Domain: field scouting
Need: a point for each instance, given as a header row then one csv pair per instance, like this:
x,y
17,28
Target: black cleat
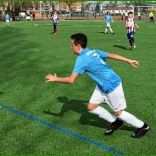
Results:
x,y
140,132
114,126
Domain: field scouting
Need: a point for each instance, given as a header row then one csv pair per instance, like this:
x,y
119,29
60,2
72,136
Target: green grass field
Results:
x,y
29,51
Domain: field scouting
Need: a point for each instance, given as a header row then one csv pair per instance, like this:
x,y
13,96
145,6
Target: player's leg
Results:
x,y
130,40
106,30
54,26
133,40
93,106
141,127
118,104
111,30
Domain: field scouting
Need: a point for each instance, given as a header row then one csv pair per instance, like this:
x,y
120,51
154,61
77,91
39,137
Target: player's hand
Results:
x,y
51,77
134,63
137,26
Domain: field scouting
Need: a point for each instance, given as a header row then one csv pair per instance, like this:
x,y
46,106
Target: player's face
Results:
x,y
131,15
75,48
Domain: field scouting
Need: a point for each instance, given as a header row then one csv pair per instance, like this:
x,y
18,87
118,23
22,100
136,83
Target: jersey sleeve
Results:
x,y
111,19
79,67
103,54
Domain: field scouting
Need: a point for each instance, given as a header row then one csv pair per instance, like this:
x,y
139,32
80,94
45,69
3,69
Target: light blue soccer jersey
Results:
x,y
7,17
108,18
93,63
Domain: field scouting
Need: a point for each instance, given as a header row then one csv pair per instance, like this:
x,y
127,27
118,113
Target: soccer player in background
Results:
x,y
139,15
151,17
108,85
55,21
7,18
108,21
130,26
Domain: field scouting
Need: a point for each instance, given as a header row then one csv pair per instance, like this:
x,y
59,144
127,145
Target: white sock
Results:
x,y
104,114
131,119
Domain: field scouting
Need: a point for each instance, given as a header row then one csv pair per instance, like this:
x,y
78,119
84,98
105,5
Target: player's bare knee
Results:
x,y
118,113
91,107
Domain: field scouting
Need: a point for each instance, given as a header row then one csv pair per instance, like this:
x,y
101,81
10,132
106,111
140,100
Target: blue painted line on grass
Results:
x,y
65,131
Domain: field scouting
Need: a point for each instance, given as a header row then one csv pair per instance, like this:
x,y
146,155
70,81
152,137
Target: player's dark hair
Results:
x,y
79,38
130,12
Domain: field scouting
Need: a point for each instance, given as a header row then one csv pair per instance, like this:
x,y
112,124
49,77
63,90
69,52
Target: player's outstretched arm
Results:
x,y
133,63
68,80
136,26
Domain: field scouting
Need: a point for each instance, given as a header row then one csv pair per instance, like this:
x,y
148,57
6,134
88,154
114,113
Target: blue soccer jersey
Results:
x,y
108,18
93,62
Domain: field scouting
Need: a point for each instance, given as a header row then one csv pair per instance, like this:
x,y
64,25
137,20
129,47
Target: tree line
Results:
x,y
13,4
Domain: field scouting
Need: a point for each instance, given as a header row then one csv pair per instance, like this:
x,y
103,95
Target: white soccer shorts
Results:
x,y
116,99
108,25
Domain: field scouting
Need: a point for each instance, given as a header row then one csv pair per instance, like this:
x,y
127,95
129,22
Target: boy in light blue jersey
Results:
x,y
92,61
109,85
108,21
7,18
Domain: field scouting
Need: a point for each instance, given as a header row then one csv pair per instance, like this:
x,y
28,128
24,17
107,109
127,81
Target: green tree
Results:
x,y
70,3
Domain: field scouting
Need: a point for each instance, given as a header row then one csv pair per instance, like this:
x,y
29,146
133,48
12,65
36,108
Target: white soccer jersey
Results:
x,y
55,18
130,24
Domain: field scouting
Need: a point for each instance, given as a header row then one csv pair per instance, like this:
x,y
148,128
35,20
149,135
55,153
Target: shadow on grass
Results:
x,y
121,47
80,107
1,92
101,32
